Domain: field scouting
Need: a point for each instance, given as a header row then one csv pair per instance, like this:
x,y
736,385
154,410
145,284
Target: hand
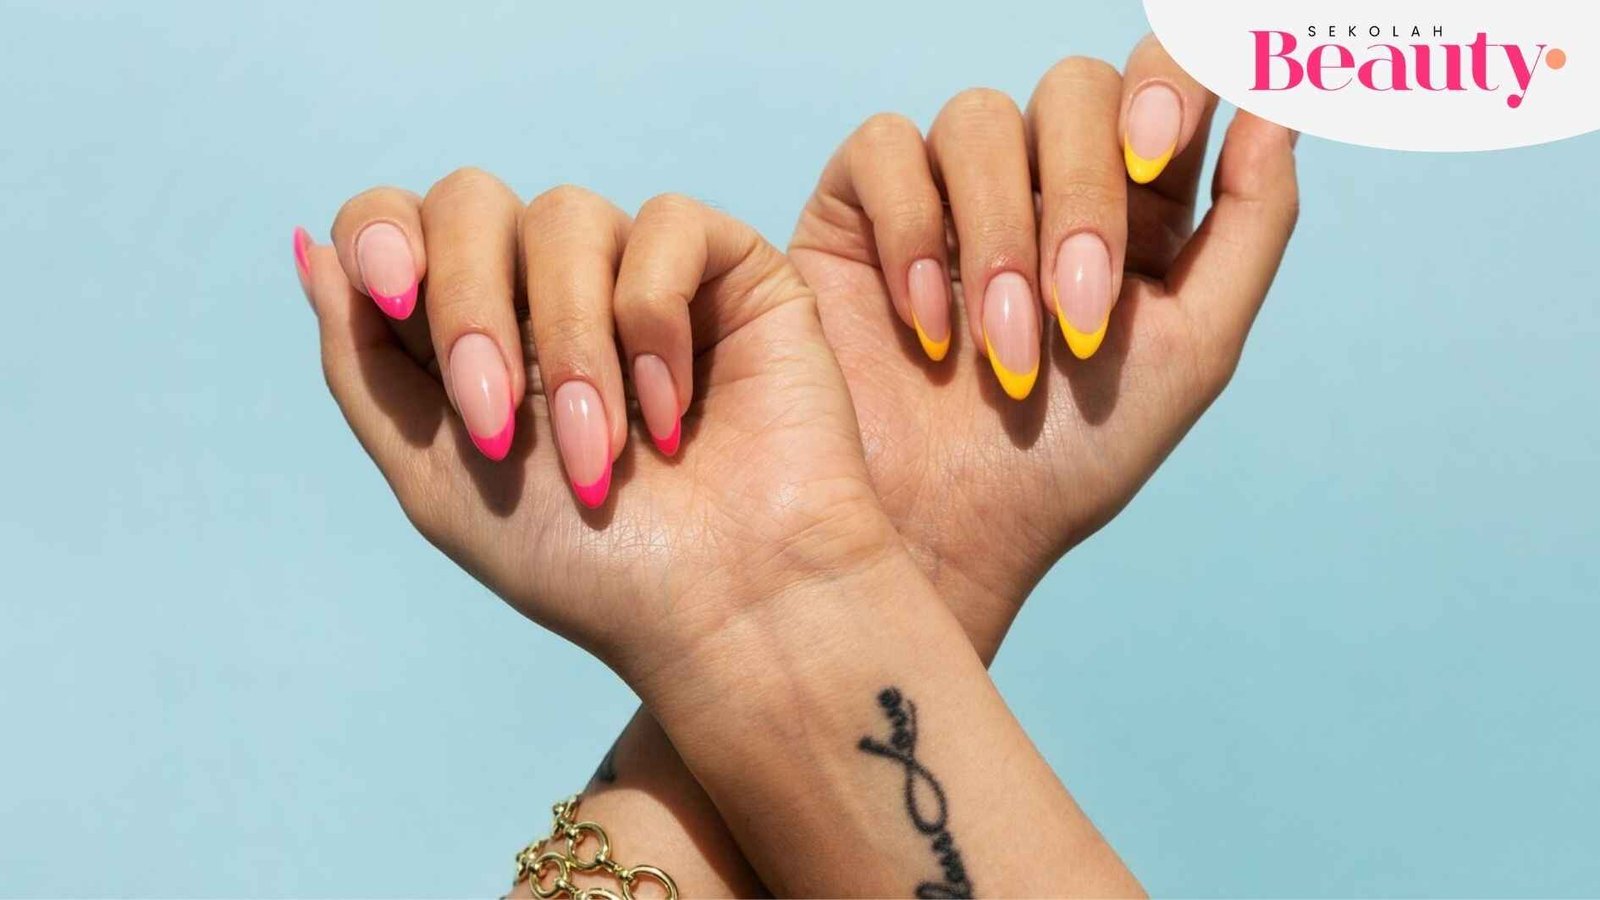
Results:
x,y
775,492
988,491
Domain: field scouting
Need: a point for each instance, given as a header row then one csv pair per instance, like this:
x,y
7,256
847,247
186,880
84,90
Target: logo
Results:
x,y
1439,76
1333,66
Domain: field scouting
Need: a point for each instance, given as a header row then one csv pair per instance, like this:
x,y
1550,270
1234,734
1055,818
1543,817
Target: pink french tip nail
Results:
x,y
496,447
302,252
658,401
583,439
483,393
396,307
594,493
669,444
387,269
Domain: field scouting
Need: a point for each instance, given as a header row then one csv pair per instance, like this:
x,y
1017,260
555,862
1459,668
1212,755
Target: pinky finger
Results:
x,y
1223,273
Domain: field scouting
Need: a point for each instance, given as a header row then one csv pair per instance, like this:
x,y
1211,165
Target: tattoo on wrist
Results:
x,y
924,796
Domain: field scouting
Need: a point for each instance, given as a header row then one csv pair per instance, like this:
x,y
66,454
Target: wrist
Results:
x,y
780,648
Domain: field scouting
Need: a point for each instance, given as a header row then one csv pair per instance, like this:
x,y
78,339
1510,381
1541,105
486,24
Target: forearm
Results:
x,y
865,729
660,814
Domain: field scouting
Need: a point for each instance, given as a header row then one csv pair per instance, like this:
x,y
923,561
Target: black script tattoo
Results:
x,y
930,818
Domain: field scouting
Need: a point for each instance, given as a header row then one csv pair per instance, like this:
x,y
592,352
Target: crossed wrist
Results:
x,y
780,643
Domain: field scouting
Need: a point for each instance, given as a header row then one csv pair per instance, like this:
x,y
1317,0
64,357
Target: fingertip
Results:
x,y
669,444
497,446
658,401
1154,127
593,495
929,292
1082,344
389,270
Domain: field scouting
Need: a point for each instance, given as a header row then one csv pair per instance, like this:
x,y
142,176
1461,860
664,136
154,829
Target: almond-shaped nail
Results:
x,y
584,440
1011,333
658,401
930,307
1083,292
482,391
302,259
387,270
1154,119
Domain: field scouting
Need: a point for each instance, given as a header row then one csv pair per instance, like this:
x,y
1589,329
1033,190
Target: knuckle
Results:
x,y
465,181
561,207
983,103
669,206
887,128
563,199
1081,71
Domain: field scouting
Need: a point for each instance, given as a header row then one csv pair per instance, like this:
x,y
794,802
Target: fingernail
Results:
x,y
1011,333
1083,292
302,259
1154,118
658,400
482,391
582,435
930,307
384,256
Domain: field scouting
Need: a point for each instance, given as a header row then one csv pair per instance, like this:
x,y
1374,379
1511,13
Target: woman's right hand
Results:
x,y
423,346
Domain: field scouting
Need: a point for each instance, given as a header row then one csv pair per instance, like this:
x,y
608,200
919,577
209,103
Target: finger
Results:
x,y
1083,196
1224,272
883,171
378,234
979,150
676,245
394,407
469,220
1165,115
571,243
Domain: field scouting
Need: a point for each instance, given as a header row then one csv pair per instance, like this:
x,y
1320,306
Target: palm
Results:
x,y
989,492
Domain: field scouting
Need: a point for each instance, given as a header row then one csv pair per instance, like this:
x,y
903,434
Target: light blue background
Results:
x,y
1343,643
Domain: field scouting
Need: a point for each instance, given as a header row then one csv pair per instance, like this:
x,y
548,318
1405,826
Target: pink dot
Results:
x,y
1514,101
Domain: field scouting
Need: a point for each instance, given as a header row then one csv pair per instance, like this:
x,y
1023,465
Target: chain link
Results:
x,y
549,870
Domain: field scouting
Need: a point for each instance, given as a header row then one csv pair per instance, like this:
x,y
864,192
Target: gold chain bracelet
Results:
x,y
540,859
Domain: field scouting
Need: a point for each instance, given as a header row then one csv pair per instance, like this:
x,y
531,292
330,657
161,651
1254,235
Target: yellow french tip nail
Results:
x,y
1082,344
935,349
1141,170
1017,386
